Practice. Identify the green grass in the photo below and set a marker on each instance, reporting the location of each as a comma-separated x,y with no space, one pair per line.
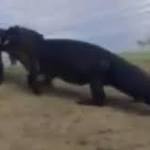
137,57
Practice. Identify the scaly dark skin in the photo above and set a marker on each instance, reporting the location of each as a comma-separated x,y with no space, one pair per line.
79,63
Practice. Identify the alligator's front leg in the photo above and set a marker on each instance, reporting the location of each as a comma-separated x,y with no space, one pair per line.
1,69
33,82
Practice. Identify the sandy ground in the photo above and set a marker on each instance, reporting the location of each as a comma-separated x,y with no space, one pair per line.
54,120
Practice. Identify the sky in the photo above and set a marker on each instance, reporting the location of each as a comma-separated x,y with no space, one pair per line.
114,24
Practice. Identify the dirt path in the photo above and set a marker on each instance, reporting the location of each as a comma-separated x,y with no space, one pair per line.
54,121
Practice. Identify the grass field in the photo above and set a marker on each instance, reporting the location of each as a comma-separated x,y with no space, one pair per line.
54,120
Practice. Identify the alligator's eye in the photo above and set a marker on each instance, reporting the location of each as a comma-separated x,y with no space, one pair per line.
6,42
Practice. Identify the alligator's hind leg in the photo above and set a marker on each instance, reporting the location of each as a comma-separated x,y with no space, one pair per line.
97,83
97,91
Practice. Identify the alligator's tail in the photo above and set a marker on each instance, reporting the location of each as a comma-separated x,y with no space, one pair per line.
130,79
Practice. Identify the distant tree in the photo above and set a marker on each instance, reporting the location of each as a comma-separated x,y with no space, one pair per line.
143,43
